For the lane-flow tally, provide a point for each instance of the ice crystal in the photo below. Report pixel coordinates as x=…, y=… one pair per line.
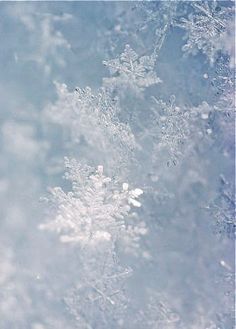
x=157, y=13
x=131, y=239
x=91, y=119
x=131, y=71
x=226, y=41
x=204, y=26
x=150, y=25
x=222, y=210
x=96, y=209
x=158, y=314
x=171, y=129
x=100, y=296
x=156, y=20
x=223, y=80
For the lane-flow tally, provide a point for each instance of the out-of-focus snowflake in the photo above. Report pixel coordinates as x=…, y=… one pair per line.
x=96, y=209
x=156, y=17
x=131, y=239
x=14, y=297
x=150, y=24
x=91, y=120
x=158, y=315
x=204, y=26
x=19, y=139
x=208, y=118
x=131, y=71
x=223, y=80
x=213, y=123
x=100, y=296
x=157, y=13
x=226, y=280
x=202, y=123
x=223, y=85
x=170, y=131
x=175, y=130
x=222, y=210
x=226, y=42
x=46, y=42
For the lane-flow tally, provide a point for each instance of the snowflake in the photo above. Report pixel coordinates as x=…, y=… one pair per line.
x=226, y=42
x=150, y=24
x=155, y=20
x=157, y=13
x=202, y=123
x=204, y=26
x=175, y=130
x=131, y=71
x=91, y=121
x=100, y=296
x=96, y=209
x=47, y=47
x=171, y=129
x=226, y=280
x=222, y=209
x=158, y=314
x=131, y=239
x=223, y=80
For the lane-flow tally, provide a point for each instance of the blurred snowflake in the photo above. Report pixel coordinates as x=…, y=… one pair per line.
x=226, y=280
x=131, y=239
x=91, y=121
x=222, y=209
x=158, y=314
x=204, y=26
x=100, y=296
x=131, y=71
x=170, y=131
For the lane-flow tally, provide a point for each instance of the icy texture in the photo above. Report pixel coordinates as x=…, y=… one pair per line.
x=135, y=143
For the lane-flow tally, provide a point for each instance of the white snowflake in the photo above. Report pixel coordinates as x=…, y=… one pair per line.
x=96, y=209
x=100, y=296
x=170, y=131
x=91, y=121
x=204, y=26
x=222, y=210
x=158, y=314
x=131, y=71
